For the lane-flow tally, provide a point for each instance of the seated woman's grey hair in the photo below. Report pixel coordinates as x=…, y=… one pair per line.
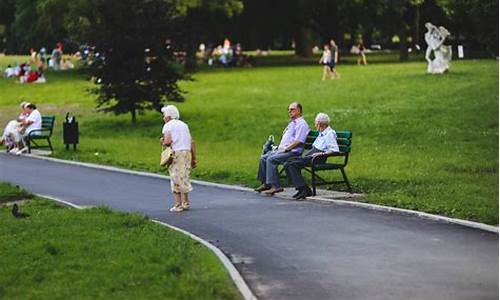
x=170, y=111
x=322, y=118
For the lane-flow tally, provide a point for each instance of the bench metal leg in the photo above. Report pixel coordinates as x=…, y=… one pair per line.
x=50, y=145
x=313, y=180
x=345, y=180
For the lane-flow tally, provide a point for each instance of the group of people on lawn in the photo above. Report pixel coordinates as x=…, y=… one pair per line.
x=17, y=131
x=176, y=134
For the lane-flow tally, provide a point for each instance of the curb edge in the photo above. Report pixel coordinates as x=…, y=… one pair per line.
x=236, y=277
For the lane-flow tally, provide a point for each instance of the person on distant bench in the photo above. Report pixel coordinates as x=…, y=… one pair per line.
x=291, y=145
x=325, y=143
x=32, y=122
x=11, y=136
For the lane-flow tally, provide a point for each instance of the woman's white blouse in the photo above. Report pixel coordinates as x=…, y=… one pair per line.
x=179, y=131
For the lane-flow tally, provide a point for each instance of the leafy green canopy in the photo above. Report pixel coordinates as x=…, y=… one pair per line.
x=136, y=69
x=141, y=44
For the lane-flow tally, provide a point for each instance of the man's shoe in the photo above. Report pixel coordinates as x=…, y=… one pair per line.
x=299, y=193
x=273, y=191
x=306, y=192
x=262, y=188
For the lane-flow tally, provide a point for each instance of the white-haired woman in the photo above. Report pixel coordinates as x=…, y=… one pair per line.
x=12, y=136
x=325, y=143
x=176, y=134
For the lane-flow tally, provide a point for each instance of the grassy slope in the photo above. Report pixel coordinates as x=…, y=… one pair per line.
x=420, y=141
x=97, y=253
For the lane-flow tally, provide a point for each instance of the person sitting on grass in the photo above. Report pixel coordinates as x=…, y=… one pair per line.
x=291, y=145
x=11, y=71
x=325, y=143
x=11, y=136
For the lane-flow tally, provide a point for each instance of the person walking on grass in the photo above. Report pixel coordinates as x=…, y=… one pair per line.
x=334, y=57
x=291, y=145
x=325, y=143
x=361, y=53
x=176, y=135
x=325, y=60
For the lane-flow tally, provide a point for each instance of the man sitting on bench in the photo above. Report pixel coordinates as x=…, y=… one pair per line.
x=291, y=145
x=326, y=142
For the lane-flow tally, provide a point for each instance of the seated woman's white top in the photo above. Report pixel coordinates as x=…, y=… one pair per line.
x=36, y=117
x=179, y=131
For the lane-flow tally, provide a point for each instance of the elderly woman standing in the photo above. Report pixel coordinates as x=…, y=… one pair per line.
x=325, y=143
x=176, y=134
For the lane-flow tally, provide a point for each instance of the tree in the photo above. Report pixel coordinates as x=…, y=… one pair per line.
x=34, y=23
x=473, y=23
x=137, y=69
x=7, y=16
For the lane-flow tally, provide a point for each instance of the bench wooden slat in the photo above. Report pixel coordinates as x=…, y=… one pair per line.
x=343, y=142
x=344, y=134
x=44, y=134
x=344, y=149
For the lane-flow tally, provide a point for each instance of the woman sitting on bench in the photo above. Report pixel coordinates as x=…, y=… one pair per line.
x=11, y=136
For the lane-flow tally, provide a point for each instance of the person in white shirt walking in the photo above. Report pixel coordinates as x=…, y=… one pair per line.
x=325, y=60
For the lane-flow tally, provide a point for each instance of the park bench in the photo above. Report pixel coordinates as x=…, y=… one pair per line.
x=34, y=137
x=318, y=164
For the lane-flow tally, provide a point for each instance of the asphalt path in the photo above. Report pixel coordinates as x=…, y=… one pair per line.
x=293, y=249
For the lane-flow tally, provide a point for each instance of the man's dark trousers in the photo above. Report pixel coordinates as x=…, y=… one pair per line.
x=268, y=166
x=294, y=166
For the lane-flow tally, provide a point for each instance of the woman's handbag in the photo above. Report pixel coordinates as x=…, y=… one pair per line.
x=166, y=157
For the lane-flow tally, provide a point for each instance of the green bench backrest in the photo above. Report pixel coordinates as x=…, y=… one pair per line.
x=344, y=139
x=48, y=122
x=313, y=134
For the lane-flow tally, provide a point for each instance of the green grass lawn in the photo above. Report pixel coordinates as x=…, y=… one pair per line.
x=420, y=141
x=62, y=253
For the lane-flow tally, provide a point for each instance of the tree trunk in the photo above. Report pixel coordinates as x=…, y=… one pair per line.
x=303, y=42
x=403, y=44
x=134, y=116
x=190, y=63
x=416, y=41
